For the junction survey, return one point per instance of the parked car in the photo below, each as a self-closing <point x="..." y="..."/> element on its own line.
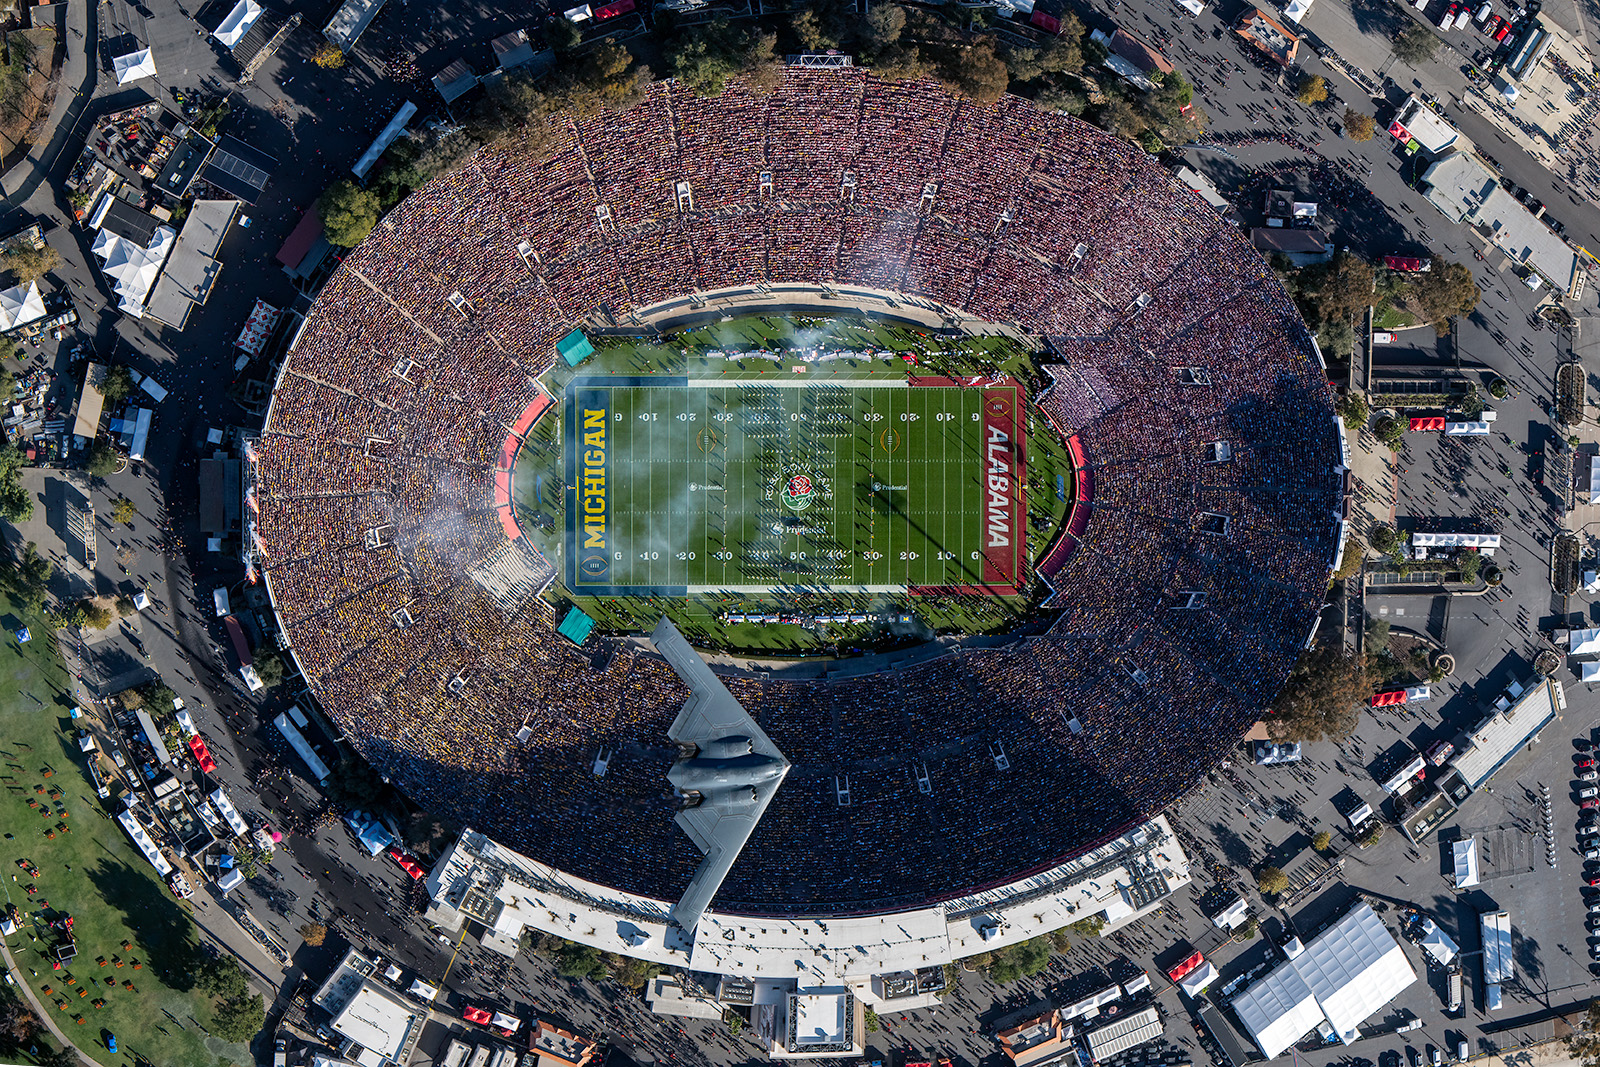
<point x="1494" y="23"/>
<point x="1589" y="805"/>
<point x="1585" y="762"/>
<point x="1461" y="1049"/>
<point x="111" y="1042"/>
<point x="1593" y="880"/>
<point x="1594" y="952"/>
<point x="1414" y="1056"/>
<point x="1503" y="32"/>
<point x="1588" y="791"/>
<point x="1591" y="854"/>
<point x="1589" y="775"/>
<point x="1435" y="1057"/>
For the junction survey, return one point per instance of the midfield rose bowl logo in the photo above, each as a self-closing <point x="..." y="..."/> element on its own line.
<point x="798" y="493"/>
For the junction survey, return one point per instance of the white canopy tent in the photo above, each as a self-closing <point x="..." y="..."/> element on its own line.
<point x="1198" y="980"/>
<point x="1466" y="863"/>
<point x="1584" y="642"/>
<point x="133" y="270"/>
<point x="238" y="22"/>
<point x="1343" y="975"/>
<point x="20" y="306"/>
<point x="1589" y="672"/>
<point x="1438" y="944"/>
<point x="133" y="66"/>
<point x="1594" y="479"/>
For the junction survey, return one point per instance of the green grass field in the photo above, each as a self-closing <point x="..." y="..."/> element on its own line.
<point x="93" y="873"/>
<point x="679" y="485"/>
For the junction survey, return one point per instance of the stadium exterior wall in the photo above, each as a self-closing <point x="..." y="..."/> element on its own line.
<point x="1098" y="882"/>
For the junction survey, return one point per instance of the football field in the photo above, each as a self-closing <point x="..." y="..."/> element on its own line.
<point x="678" y="485"/>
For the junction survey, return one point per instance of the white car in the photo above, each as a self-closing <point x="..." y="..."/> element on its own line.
<point x="1590" y="775"/>
<point x="1585" y="792"/>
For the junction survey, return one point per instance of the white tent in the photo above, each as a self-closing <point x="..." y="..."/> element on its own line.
<point x="1196" y="981"/>
<point x="1297" y="10"/>
<point x="133" y="66"/>
<point x="132" y="270"/>
<point x="1344" y="974"/>
<point x="238" y="22"/>
<point x="1466" y="863"/>
<point x="1584" y="642"/>
<point x="1594" y="479"/>
<point x="20" y="306"/>
<point x="1438" y="944"/>
<point x="1589" y="672"/>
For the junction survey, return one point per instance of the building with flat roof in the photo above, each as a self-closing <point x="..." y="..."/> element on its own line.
<point x="379" y="1026"/>
<point x="1510" y="725"/>
<point x="1268" y="36"/>
<point x="1036" y="1042"/>
<point x="1130" y="1031"/>
<point x="819" y="1023"/>
<point x="1530" y="243"/>
<point x="351" y="21"/>
<point x="1416" y="121"/>
<point x="192" y="268"/>
<point x="1457" y="185"/>
<point x="555" y="1047"/>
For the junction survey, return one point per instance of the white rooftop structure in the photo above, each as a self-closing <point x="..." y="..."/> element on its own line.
<point x="1130" y="1031"/>
<point x="1528" y="241"/>
<point x="21" y="305"/>
<point x="383" y="1023"/>
<point x="1589" y="672"/>
<point x="1428" y="128"/>
<point x="1458" y="184"/>
<point x="1438" y="944"/>
<point x="133" y="66"/>
<point x="132" y="270"/>
<point x="1466" y="863"/>
<point x="1594" y="479"/>
<point x="1343" y="975"/>
<point x="1498" y="965"/>
<point x="1502" y="733"/>
<point x="482" y="880"/>
<point x="145" y="844"/>
<point x="1583" y="642"/>
<point x="1483" y="542"/>
<point x="229" y="813"/>
<point x="237" y="23"/>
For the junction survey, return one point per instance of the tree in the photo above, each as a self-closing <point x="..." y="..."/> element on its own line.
<point x="354" y="784"/>
<point x="59" y="1057"/>
<point x="884" y="24"/>
<point x="348" y="213"/>
<point x="241" y="1019"/>
<point x="1470" y="564"/>
<point x="579" y="961"/>
<point x="1313" y="89"/>
<point x="1415" y="44"/>
<point x="329" y="57"/>
<point x="1377" y="632"/>
<point x="808" y="30"/>
<point x="1060" y="55"/>
<point x="1448" y="289"/>
<point x="1391" y="431"/>
<point x="1383" y="537"/>
<point x="16" y="504"/>
<point x="1271" y="881"/>
<point x="221" y="977"/>
<point x="269" y="668"/>
<point x="1584" y="1042"/>
<point x="704" y="57"/>
<point x="123" y="511"/>
<point x="1322" y="842"/>
<point x="1338" y="289"/>
<point x="18" y="1023"/>
<point x="1119" y="116"/>
<point x="118" y="383"/>
<point x="976" y="72"/>
<point x="563" y="35"/>
<point x="29" y="577"/>
<point x="1358" y="126"/>
<point x="28" y="263"/>
<point x="1322" y="697"/>
<point x="1337" y="338"/>
<point x="1353" y="410"/>
<point x="95" y="617"/>
<point x="313" y="934"/>
<point x="103" y="460"/>
<point x="869" y="1020"/>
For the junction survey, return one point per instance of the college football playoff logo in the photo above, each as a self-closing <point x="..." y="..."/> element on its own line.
<point x="798" y="493"/>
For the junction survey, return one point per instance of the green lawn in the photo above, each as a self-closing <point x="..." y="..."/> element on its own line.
<point x="111" y="892"/>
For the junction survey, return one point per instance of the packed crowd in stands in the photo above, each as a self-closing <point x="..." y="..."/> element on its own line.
<point x="1171" y="334"/>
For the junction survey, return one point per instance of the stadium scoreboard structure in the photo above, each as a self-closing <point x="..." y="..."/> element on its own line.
<point x="680" y="485"/>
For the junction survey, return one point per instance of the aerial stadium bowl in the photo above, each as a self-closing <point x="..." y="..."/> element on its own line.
<point x="423" y="469"/>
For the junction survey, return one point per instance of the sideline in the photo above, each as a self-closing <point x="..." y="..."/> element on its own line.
<point x="38" y="1009"/>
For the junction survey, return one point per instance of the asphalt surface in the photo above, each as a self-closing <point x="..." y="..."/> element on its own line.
<point x="316" y="122"/>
